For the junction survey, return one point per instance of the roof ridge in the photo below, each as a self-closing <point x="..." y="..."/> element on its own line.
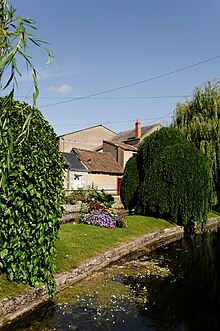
<point x="90" y="127"/>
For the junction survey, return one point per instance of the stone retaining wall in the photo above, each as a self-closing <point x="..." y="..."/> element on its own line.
<point x="14" y="306"/>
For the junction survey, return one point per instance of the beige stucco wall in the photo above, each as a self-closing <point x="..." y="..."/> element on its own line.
<point x="90" y="139"/>
<point x="104" y="182"/>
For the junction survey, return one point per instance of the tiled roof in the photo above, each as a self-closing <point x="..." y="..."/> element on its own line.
<point x="124" y="146"/>
<point x="73" y="162"/>
<point x="130" y="134"/>
<point x="97" y="162"/>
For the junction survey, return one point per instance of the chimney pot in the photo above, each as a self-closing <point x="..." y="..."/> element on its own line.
<point x="138" y="129"/>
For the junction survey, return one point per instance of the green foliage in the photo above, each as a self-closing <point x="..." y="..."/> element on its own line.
<point x="30" y="164"/>
<point x="154" y="144"/>
<point x="130" y="184"/>
<point x="178" y="185"/>
<point x="90" y="196"/>
<point x="15" y="40"/>
<point x="199" y="121"/>
<point x="169" y="178"/>
<point x="31" y="193"/>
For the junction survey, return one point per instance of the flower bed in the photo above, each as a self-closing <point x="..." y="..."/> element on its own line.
<point x="96" y="208"/>
<point x="103" y="218"/>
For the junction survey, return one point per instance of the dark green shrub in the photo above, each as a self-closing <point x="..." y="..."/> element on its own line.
<point x="178" y="185"/>
<point x="130" y="184"/>
<point x="153" y="145"/>
<point x="31" y="193"/>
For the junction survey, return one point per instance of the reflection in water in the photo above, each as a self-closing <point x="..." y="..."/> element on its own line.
<point x="189" y="298"/>
<point x="175" y="287"/>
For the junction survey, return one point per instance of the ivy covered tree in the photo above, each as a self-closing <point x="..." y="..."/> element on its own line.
<point x="31" y="166"/>
<point x="130" y="184"/>
<point x="30" y="202"/>
<point x="199" y="121"/>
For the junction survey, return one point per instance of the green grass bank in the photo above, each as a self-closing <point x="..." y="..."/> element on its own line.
<point x="78" y="242"/>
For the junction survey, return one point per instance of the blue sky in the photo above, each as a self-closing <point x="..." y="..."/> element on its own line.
<point x="101" y="45"/>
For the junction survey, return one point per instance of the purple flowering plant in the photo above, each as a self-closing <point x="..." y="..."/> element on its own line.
<point x="99" y="215"/>
<point x="103" y="218"/>
<point x="97" y="208"/>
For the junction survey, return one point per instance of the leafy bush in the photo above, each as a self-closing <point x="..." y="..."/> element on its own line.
<point x="31" y="193"/>
<point x="153" y="145"/>
<point x="130" y="184"/>
<point x="174" y="179"/>
<point x="90" y="196"/>
<point x="178" y="185"/>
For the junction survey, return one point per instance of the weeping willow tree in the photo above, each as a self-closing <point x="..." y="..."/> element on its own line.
<point x="199" y="121"/>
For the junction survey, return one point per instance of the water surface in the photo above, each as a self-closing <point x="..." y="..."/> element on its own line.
<point x="174" y="287"/>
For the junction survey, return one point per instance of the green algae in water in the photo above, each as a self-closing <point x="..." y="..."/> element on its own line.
<point x="175" y="287"/>
<point x="102" y="301"/>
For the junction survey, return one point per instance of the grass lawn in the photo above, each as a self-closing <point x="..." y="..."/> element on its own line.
<point x="78" y="242"/>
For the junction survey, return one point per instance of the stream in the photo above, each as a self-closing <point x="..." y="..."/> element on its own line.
<point x="172" y="287"/>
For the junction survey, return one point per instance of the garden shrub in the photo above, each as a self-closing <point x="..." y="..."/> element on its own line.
<point x="169" y="178"/>
<point x="31" y="193"/>
<point x="97" y="209"/>
<point x="90" y="196"/>
<point x="130" y="184"/>
<point x="178" y="185"/>
<point x="153" y="145"/>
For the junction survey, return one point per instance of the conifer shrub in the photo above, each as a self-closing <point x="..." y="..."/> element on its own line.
<point x="130" y="184"/>
<point x="178" y="185"/>
<point x="172" y="179"/>
<point x="31" y="193"/>
<point x="153" y="145"/>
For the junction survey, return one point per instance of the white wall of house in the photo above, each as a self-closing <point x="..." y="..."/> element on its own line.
<point x="75" y="179"/>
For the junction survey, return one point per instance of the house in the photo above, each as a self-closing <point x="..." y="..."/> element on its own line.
<point x="75" y="174"/>
<point x="135" y="136"/>
<point x="126" y="143"/>
<point x="104" y="172"/>
<point x="96" y="156"/>
<point x="90" y="138"/>
<point x="120" y="151"/>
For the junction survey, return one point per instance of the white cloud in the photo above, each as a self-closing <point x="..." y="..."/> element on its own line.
<point x="62" y="89"/>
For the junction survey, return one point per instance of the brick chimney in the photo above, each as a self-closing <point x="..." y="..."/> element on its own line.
<point x="138" y="129"/>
